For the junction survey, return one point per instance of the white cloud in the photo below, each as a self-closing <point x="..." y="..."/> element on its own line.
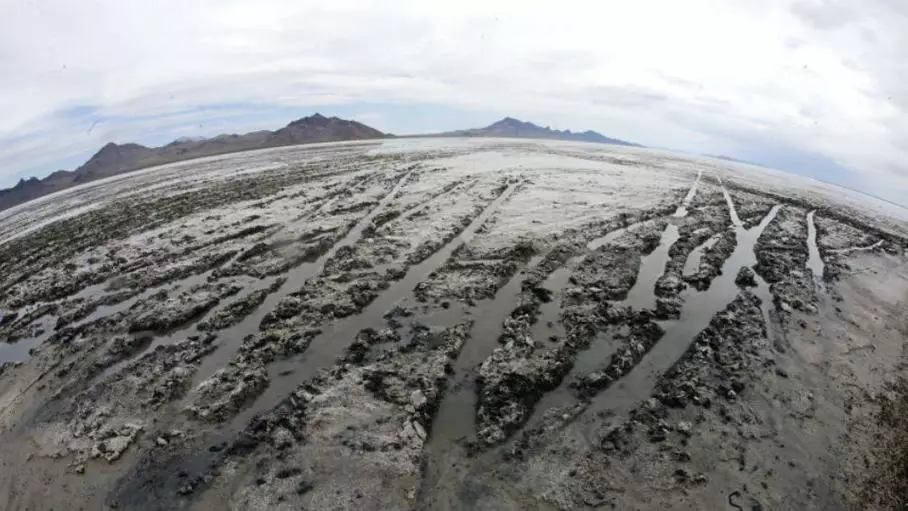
<point x="701" y="75"/>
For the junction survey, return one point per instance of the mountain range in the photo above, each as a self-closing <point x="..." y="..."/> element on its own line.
<point x="115" y="159"/>
<point x="510" y="127"/>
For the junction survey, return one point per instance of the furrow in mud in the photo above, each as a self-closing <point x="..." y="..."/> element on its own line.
<point x="313" y="365"/>
<point x="518" y="373"/>
<point x="783" y="255"/>
<point x="685" y="204"/>
<point x="549" y="324"/>
<point x="453" y="425"/>
<point x="322" y="348"/>
<point x="293" y="282"/>
<point x="815" y="259"/>
<point x="637" y="383"/>
<point x="732" y="212"/>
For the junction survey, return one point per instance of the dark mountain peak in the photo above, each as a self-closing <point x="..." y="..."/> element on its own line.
<point x="316" y="119"/>
<point x="512" y="123"/>
<point x="111" y="149"/>
<point x="318" y="128"/>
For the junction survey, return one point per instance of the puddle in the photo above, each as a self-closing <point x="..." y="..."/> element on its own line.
<point x="594" y="358"/>
<point x="696" y="314"/>
<point x="550" y="312"/>
<point x="556" y="282"/>
<point x="643" y="293"/>
<point x="20" y="350"/>
<point x="490" y="315"/>
<point x="732" y="212"/>
<point x="91" y="291"/>
<point x="326" y="348"/>
<point x="610" y="237"/>
<point x="815" y="260"/>
<point x="437" y="317"/>
<point x="455" y="419"/>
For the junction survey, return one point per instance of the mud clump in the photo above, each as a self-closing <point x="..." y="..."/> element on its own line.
<point x="235" y="311"/>
<point x="514" y="377"/>
<point x="712" y="260"/>
<point x="782" y="255"/>
<point x="782" y="247"/>
<point x="222" y="395"/>
<point x="668" y="308"/>
<point x="746" y="277"/>
<point x="643" y="335"/>
<point x="717" y="363"/>
<point x="470" y="276"/>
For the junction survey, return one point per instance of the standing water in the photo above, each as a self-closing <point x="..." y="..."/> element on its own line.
<point x="234" y="336"/>
<point x="815" y="260"/>
<point x="325" y="349"/>
<point x="696" y="314"/>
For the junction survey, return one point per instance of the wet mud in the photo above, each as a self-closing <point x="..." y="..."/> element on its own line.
<point x="480" y="325"/>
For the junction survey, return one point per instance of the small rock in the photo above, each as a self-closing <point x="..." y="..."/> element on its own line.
<point x="161" y="441"/>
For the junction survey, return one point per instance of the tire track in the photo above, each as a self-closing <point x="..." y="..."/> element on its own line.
<point x="294" y="281"/>
<point x="324" y="349"/>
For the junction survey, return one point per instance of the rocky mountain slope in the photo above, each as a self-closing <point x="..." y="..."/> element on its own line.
<point x="115" y="159"/>
<point x="515" y="128"/>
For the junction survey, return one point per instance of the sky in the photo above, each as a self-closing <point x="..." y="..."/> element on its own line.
<point x="816" y="87"/>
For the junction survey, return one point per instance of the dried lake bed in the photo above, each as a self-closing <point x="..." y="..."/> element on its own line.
<point x="448" y="324"/>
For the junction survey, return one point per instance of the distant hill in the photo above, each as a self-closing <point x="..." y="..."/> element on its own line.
<point x="115" y="159"/>
<point x="515" y="128"/>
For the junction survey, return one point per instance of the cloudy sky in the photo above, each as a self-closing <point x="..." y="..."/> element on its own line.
<point x="813" y="86"/>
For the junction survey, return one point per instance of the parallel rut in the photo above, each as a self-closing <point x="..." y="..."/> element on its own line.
<point x="295" y="280"/>
<point x="327" y="347"/>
